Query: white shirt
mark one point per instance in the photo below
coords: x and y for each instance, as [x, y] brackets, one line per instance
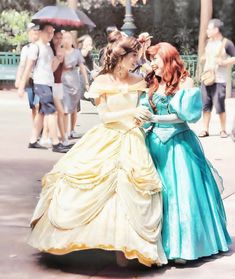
[212, 52]
[24, 53]
[43, 55]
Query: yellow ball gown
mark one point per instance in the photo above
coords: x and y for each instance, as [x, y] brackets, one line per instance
[105, 192]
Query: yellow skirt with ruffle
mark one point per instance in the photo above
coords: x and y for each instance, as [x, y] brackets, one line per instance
[104, 193]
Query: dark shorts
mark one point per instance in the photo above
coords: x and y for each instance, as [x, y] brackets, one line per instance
[46, 102]
[32, 97]
[214, 95]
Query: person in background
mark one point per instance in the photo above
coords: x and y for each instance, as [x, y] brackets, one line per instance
[33, 99]
[215, 94]
[85, 45]
[233, 130]
[58, 50]
[143, 65]
[43, 61]
[71, 85]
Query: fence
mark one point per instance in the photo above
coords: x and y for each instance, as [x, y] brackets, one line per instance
[191, 64]
[9, 62]
[8, 65]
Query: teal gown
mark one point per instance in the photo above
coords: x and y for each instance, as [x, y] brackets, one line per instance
[194, 221]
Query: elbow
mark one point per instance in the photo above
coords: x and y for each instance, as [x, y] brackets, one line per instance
[194, 118]
[105, 120]
[102, 118]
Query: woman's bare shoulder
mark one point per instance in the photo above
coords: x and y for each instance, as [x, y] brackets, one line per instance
[134, 78]
[102, 78]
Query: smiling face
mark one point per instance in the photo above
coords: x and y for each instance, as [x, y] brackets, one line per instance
[157, 65]
[129, 61]
[57, 39]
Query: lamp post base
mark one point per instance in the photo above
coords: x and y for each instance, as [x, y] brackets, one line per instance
[128, 26]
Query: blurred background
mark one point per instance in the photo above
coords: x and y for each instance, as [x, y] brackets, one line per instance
[174, 21]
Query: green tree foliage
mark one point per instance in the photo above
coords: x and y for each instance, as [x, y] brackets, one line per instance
[13, 29]
[14, 4]
[21, 5]
[174, 21]
[225, 10]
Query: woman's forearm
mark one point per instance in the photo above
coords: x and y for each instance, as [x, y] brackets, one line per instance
[167, 118]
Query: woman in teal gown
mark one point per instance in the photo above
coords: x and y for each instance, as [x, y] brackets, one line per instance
[194, 221]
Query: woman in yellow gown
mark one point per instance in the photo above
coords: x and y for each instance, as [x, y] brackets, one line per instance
[105, 192]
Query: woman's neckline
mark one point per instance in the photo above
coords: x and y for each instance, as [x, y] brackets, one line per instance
[162, 94]
[112, 80]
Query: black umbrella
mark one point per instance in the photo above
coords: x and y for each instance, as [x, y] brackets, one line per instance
[84, 18]
[62, 17]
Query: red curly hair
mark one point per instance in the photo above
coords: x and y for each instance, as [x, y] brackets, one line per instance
[174, 70]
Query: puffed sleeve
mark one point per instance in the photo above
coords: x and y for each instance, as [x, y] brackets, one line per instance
[95, 91]
[187, 103]
[144, 101]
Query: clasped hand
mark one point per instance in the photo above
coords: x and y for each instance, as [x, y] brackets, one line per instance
[142, 115]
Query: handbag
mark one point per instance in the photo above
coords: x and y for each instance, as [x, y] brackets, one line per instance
[208, 76]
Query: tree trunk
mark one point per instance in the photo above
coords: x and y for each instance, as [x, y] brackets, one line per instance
[205, 16]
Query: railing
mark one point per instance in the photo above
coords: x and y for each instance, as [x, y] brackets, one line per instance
[95, 56]
[8, 65]
[9, 58]
[9, 62]
[191, 64]
[190, 61]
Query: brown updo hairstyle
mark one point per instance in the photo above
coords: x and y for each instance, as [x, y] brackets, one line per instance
[116, 51]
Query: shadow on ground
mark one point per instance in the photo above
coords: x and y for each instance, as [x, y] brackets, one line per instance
[102, 263]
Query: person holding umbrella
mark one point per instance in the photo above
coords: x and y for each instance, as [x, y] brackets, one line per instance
[62, 17]
[42, 59]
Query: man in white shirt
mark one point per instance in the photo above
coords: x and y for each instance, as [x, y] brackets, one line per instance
[44, 63]
[219, 53]
[33, 35]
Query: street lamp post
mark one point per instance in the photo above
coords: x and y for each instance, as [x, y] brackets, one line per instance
[128, 26]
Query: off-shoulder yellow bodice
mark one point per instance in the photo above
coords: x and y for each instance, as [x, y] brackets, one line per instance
[97, 89]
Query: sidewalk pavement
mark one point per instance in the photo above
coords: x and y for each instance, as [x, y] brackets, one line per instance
[21, 170]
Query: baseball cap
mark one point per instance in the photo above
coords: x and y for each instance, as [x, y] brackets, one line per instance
[32, 26]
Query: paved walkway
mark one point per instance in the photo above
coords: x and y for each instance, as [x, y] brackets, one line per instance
[20, 172]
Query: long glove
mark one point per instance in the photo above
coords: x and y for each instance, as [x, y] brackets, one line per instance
[107, 116]
[167, 118]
